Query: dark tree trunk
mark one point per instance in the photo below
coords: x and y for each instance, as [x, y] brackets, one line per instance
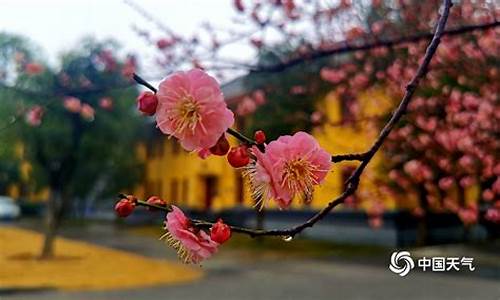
[462, 203]
[422, 226]
[52, 221]
[53, 217]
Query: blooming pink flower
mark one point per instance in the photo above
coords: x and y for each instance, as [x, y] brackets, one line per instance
[33, 68]
[332, 75]
[290, 166]
[87, 112]
[72, 104]
[488, 195]
[468, 216]
[417, 170]
[34, 116]
[375, 222]
[259, 97]
[106, 103]
[493, 215]
[246, 107]
[191, 107]
[192, 245]
[445, 183]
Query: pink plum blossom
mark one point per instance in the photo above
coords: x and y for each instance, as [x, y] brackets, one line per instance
[87, 112]
[34, 116]
[106, 103]
[259, 97]
[191, 107]
[192, 244]
[332, 75]
[468, 216]
[291, 166]
[72, 104]
[246, 107]
[33, 68]
[493, 215]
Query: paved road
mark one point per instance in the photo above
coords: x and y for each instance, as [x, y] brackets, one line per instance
[234, 276]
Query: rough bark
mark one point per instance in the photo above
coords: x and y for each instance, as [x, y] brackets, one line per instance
[52, 220]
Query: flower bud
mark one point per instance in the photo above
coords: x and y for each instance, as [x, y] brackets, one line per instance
[220, 232]
[147, 103]
[222, 146]
[163, 43]
[259, 137]
[155, 200]
[238, 157]
[132, 199]
[124, 208]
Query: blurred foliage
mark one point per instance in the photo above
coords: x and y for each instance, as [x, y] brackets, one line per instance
[67, 151]
[284, 111]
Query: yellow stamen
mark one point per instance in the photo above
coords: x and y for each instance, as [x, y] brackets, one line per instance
[186, 115]
[184, 254]
[298, 176]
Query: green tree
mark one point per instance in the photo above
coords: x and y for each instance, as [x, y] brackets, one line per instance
[89, 128]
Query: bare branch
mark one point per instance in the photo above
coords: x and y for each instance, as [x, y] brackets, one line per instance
[367, 46]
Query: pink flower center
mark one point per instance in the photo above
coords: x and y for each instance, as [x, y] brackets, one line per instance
[298, 176]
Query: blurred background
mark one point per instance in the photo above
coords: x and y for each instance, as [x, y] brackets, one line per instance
[72, 139]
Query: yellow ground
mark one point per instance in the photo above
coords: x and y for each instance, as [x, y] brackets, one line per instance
[80, 266]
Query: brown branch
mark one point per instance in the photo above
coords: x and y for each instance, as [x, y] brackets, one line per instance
[351, 156]
[365, 158]
[367, 46]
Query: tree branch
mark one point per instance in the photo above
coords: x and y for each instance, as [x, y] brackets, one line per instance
[365, 158]
[367, 46]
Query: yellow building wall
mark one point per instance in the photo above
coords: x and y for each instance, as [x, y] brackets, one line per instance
[180, 177]
[168, 165]
[355, 138]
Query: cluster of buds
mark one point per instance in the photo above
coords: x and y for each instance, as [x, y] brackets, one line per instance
[126, 205]
[237, 156]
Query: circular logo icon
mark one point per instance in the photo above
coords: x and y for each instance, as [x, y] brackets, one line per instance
[401, 263]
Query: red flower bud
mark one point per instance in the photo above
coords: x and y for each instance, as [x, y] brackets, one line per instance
[220, 232]
[238, 157]
[222, 146]
[124, 208]
[147, 103]
[238, 4]
[132, 199]
[259, 137]
[155, 200]
[163, 43]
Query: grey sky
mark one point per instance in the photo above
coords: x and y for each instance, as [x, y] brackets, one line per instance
[57, 25]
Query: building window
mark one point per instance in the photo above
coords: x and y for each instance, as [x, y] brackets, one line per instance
[185, 191]
[240, 188]
[348, 108]
[175, 147]
[210, 184]
[173, 191]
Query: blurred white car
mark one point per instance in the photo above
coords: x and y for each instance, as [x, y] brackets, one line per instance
[8, 209]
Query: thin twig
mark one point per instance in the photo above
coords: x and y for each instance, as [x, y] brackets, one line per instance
[143, 82]
[367, 46]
